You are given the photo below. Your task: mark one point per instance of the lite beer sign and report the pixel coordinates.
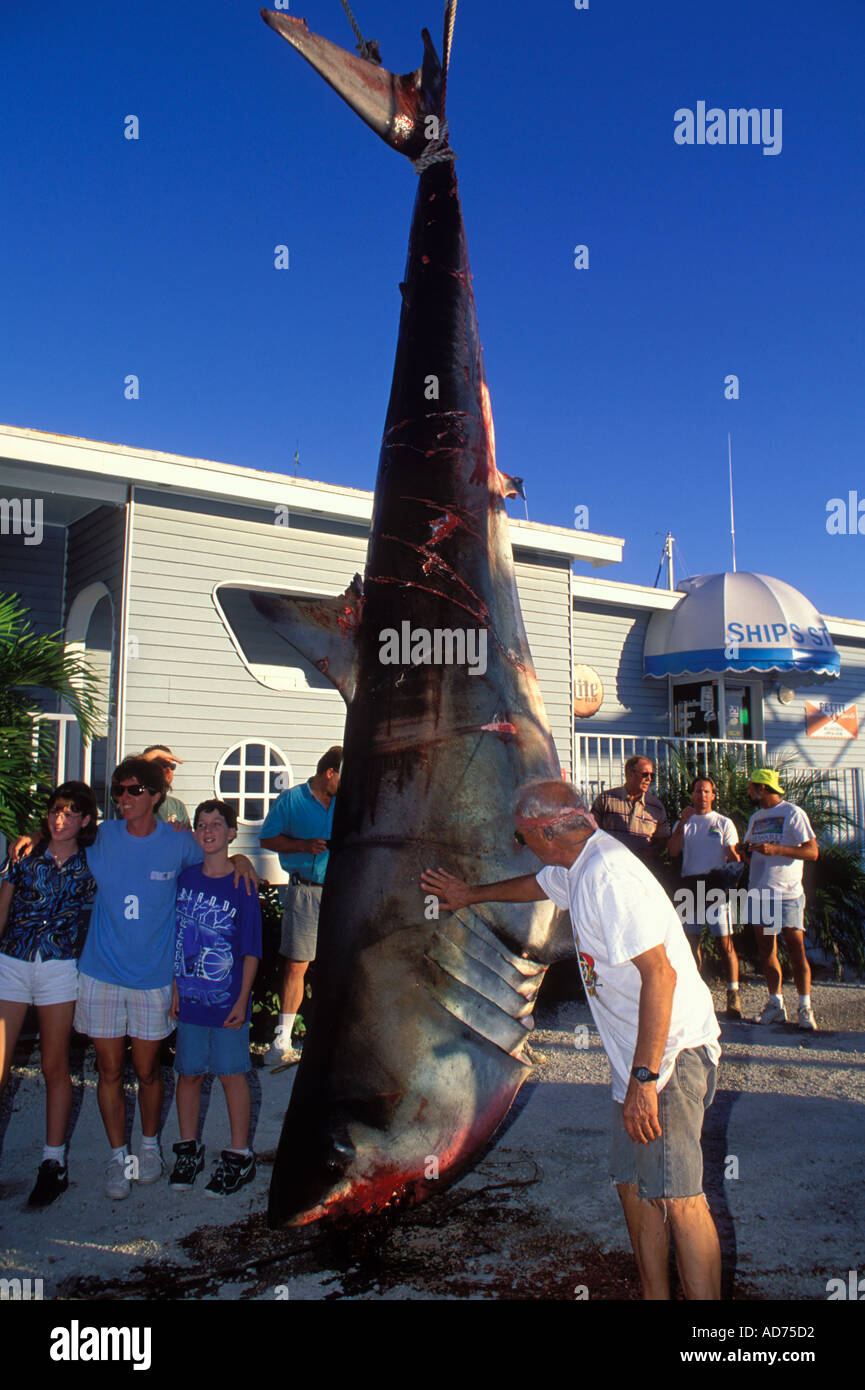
(588, 692)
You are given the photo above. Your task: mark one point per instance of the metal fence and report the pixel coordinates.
(601, 764)
(601, 758)
(847, 785)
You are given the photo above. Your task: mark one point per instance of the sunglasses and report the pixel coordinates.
(134, 789)
(519, 838)
(165, 763)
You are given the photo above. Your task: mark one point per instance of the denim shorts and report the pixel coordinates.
(671, 1166)
(765, 909)
(224, 1051)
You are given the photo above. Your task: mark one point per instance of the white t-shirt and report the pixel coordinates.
(784, 824)
(619, 910)
(705, 841)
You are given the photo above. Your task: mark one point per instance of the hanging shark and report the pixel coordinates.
(419, 1021)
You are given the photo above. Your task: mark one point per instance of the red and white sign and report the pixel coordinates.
(828, 720)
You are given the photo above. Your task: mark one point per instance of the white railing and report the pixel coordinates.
(847, 784)
(601, 758)
(600, 763)
(65, 723)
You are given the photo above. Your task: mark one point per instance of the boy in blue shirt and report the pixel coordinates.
(216, 955)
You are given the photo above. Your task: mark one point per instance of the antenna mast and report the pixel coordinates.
(732, 520)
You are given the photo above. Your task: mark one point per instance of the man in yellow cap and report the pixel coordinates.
(778, 840)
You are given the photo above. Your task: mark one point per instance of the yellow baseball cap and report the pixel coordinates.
(766, 777)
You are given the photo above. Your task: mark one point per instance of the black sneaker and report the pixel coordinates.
(230, 1173)
(190, 1162)
(51, 1180)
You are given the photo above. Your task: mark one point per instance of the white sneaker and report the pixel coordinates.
(806, 1018)
(281, 1052)
(773, 1013)
(117, 1185)
(150, 1165)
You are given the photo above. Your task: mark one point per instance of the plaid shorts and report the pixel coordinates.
(113, 1011)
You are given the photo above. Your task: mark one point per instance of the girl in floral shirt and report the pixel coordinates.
(45, 901)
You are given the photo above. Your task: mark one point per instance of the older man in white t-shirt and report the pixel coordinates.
(654, 1015)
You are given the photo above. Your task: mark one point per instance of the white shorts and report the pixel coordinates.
(38, 981)
(113, 1011)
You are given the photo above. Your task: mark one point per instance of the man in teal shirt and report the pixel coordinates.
(298, 827)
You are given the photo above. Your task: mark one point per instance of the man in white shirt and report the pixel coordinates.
(707, 841)
(654, 1015)
(778, 841)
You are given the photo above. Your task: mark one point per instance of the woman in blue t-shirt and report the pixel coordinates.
(45, 902)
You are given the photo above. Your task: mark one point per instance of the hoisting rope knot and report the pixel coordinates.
(436, 152)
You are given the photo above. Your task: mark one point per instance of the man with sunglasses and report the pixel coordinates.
(654, 1015)
(172, 808)
(632, 814)
(126, 967)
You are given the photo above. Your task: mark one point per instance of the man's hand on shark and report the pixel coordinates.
(451, 892)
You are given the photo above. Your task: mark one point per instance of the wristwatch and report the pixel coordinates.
(643, 1074)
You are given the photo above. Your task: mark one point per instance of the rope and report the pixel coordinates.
(369, 50)
(436, 152)
(450, 20)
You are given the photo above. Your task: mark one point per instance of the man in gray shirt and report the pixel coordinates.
(632, 814)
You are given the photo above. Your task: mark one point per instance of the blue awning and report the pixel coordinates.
(748, 624)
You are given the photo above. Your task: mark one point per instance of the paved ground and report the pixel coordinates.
(536, 1219)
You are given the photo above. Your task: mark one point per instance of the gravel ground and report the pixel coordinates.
(537, 1217)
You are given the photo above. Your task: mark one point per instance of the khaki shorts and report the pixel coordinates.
(671, 1166)
(300, 921)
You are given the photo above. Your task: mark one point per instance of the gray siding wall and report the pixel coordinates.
(95, 555)
(545, 596)
(188, 686)
(611, 639)
(35, 573)
(784, 725)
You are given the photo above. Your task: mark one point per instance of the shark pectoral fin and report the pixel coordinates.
(324, 630)
(512, 487)
(395, 107)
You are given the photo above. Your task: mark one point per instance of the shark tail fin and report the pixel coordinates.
(397, 108)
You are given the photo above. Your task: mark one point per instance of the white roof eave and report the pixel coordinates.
(71, 463)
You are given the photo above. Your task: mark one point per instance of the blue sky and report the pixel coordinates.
(155, 256)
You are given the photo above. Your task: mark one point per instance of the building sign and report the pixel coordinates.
(828, 720)
(588, 692)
